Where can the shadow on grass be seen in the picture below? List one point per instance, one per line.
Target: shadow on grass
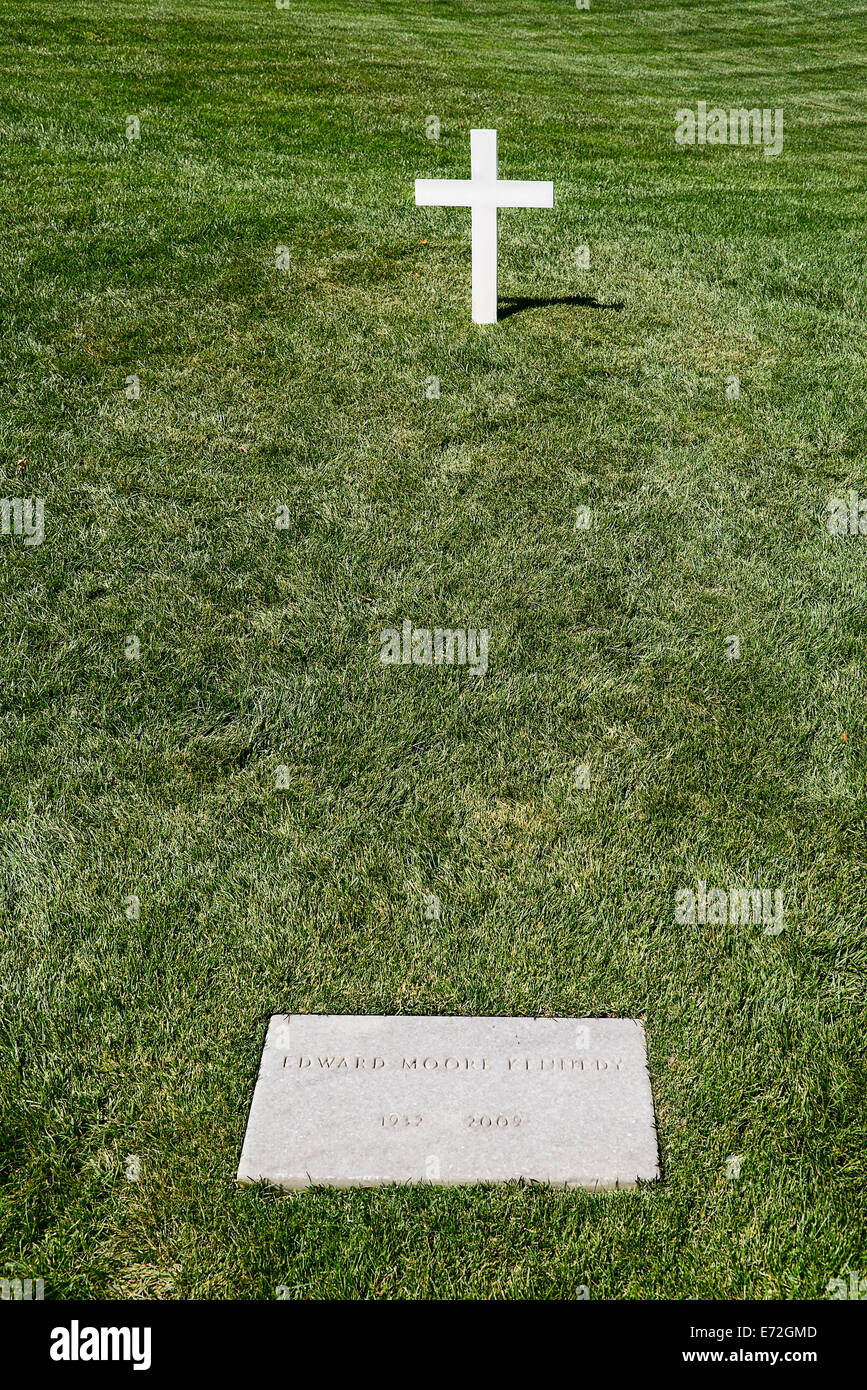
(515, 306)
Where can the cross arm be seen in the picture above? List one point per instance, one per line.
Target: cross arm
(521, 193)
(467, 193)
(446, 193)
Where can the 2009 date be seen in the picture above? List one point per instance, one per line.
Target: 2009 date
(492, 1121)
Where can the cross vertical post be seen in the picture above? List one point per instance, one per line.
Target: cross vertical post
(483, 172)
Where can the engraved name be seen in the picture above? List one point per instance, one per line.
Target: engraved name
(452, 1064)
(563, 1064)
(336, 1063)
(444, 1064)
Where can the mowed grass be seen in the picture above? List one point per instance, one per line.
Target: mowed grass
(303, 388)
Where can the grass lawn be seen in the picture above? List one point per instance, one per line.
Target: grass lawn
(134, 1035)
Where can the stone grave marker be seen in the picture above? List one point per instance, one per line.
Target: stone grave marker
(358, 1100)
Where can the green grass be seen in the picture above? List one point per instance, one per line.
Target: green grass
(303, 388)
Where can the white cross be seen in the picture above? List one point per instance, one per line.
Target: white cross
(484, 195)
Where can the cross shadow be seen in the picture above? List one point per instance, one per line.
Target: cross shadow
(516, 305)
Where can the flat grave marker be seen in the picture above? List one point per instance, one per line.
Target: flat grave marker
(362, 1100)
